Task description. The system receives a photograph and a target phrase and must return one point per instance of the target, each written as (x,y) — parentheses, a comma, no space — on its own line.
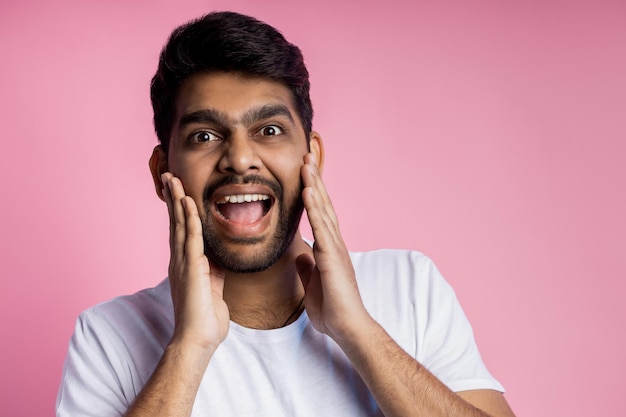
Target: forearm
(172,388)
(400,384)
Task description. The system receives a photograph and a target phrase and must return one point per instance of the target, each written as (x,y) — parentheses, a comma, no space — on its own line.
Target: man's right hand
(201,318)
(200,313)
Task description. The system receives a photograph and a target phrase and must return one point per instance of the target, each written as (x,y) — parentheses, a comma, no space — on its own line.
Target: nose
(239,155)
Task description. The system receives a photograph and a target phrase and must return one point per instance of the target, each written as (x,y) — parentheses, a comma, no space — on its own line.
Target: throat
(268,317)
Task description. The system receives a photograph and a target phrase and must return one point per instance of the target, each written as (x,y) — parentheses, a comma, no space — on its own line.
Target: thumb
(217,279)
(305,266)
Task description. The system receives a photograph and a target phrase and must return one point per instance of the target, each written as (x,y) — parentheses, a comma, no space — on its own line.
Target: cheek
(287,169)
(292,184)
(193,174)
(289,157)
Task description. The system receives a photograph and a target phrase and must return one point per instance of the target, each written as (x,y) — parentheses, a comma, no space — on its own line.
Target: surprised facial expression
(237,145)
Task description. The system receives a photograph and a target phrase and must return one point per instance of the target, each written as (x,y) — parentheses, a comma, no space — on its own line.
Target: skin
(206,297)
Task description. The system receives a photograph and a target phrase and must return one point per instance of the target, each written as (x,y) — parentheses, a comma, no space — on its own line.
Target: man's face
(237,145)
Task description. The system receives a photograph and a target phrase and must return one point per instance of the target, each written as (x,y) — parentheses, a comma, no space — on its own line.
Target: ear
(316,147)
(158,165)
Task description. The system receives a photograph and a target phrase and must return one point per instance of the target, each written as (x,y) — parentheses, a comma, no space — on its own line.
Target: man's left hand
(332,298)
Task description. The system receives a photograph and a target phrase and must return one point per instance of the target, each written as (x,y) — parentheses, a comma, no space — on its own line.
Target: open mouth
(244,209)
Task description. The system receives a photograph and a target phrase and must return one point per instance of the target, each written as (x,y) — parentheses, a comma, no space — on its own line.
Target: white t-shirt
(291,371)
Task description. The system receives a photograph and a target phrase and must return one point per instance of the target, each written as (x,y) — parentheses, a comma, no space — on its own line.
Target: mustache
(248,179)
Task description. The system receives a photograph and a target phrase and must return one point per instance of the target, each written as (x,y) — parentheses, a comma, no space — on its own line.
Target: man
(252,319)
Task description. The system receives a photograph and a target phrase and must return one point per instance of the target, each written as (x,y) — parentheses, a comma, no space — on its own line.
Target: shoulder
(409,269)
(128,316)
(389,257)
(157,296)
(113,351)
(404,291)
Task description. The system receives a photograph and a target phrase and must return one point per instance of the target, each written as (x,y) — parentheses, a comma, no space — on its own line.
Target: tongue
(243,213)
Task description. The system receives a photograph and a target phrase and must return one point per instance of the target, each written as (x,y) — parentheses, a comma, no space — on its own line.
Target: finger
(305,265)
(313,178)
(313,291)
(165,177)
(320,212)
(217,280)
(194,247)
(178,233)
(194,243)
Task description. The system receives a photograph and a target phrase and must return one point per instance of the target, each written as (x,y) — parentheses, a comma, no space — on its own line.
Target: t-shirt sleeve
(447,347)
(90,385)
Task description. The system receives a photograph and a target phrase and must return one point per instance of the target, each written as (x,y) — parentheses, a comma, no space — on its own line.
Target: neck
(267,299)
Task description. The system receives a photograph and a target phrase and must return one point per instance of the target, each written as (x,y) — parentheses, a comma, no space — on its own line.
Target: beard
(290,213)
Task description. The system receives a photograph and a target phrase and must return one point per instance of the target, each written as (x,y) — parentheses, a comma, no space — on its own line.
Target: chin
(247,256)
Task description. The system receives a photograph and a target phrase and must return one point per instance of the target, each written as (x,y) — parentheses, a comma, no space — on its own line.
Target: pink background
(490,136)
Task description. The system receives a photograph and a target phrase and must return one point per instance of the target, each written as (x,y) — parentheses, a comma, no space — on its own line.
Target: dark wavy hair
(231,42)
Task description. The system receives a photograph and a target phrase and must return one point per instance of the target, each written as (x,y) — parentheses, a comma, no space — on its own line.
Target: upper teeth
(243,198)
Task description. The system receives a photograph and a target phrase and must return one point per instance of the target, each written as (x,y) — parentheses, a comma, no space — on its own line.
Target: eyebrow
(251,116)
(265,112)
(203,116)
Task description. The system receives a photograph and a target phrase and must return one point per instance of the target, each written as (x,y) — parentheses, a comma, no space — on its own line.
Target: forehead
(232,94)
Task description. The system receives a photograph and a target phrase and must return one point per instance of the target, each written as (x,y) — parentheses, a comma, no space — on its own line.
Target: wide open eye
(204,136)
(271,130)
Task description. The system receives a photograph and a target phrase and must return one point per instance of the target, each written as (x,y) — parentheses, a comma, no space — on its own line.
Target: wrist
(356,333)
(196,354)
